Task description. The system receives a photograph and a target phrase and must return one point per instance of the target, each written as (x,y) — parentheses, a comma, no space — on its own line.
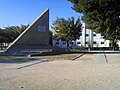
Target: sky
(23,12)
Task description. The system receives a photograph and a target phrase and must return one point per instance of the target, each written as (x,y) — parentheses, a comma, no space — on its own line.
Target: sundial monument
(35,37)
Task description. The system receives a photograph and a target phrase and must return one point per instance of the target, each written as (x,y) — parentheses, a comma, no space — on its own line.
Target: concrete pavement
(101,58)
(85,73)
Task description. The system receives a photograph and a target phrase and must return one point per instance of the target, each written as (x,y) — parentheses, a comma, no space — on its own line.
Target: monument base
(36,51)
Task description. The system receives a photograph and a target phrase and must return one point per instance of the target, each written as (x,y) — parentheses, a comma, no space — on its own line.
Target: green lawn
(59,57)
(11,57)
(51,57)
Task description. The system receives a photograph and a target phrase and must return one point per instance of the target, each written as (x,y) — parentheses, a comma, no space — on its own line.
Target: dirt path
(82,74)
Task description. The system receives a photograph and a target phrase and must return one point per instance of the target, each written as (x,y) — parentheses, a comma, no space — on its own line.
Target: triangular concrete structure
(36,36)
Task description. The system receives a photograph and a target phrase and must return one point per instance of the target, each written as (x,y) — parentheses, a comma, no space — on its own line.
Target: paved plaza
(88,72)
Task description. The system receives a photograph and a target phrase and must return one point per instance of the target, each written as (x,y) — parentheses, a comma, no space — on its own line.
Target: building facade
(87,39)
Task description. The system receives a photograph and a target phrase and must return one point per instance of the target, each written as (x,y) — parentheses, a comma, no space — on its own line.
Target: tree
(67,29)
(9,34)
(101,16)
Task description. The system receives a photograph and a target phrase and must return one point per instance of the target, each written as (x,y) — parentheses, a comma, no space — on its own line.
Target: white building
(87,39)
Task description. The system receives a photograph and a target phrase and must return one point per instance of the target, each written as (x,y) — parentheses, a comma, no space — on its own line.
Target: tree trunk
(67,44)
(114,45)
(1,46)
(89,49)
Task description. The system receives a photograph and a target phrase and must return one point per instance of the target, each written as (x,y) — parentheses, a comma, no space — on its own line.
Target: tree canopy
(67,29)
(102,16)
(8,34)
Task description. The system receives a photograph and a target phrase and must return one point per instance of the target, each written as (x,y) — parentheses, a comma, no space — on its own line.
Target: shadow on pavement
(23,60)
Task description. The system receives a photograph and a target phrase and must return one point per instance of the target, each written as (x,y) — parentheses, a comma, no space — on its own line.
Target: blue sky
(17,12)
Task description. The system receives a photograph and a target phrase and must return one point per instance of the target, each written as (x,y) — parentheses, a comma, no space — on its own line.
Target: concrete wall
(35,36)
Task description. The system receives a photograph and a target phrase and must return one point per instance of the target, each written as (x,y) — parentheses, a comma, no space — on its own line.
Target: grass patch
(11,57)
(58,57)
(51,57)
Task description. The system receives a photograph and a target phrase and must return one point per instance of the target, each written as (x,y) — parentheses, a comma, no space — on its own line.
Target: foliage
(102,16)
(67,29)
(8,34)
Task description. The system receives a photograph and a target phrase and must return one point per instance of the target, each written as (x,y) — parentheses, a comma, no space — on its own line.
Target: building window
(110,44)
(102,42)
(94,42)
(86,35)
(86,42)
(57,42)
(94,34)
(78,42)
(71,42)
(64,42)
